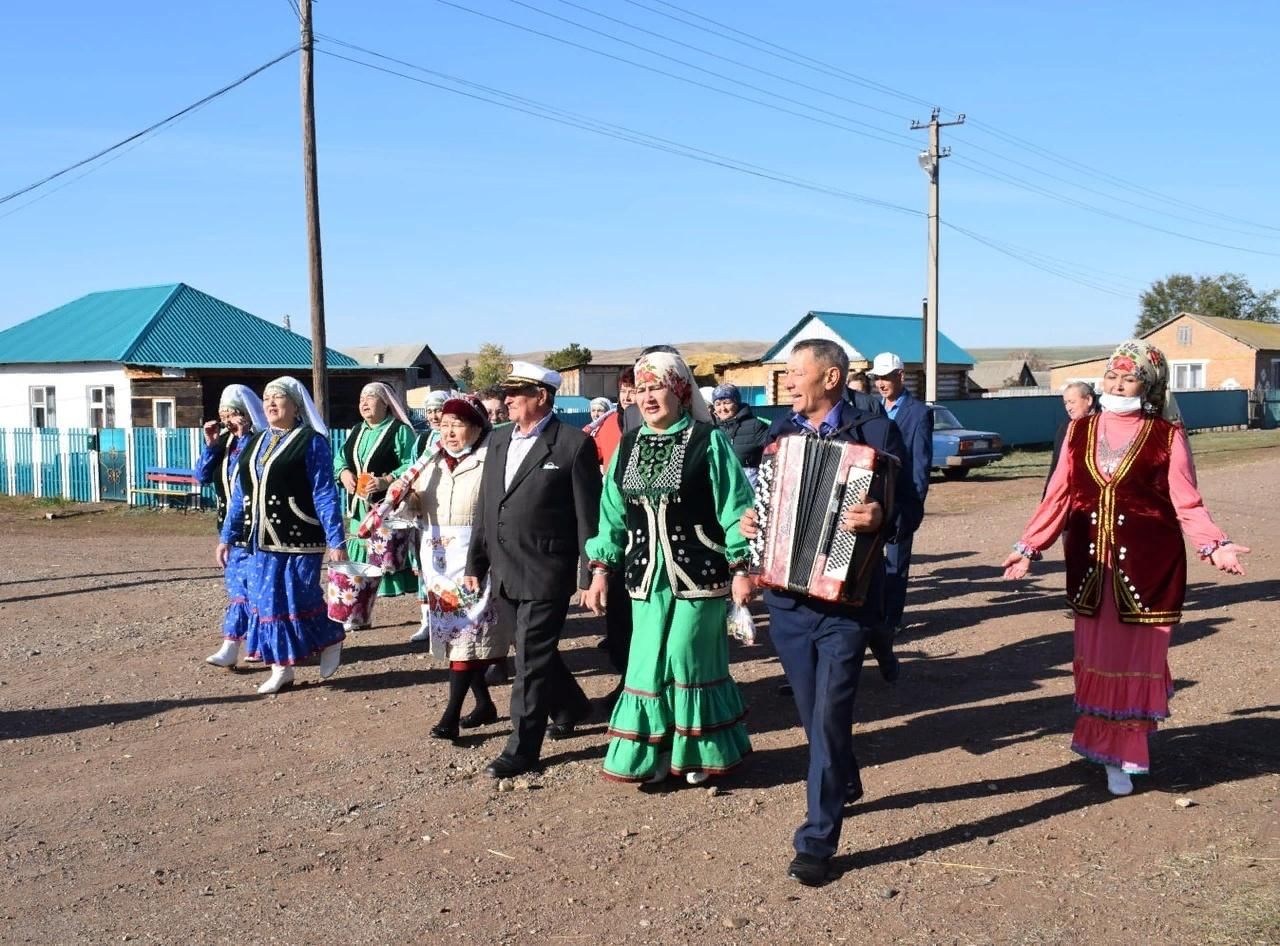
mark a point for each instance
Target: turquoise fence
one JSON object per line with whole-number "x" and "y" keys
{"x": 1027, "y": 421}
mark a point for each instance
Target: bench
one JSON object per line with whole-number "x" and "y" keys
{"x": 162, "y": 479}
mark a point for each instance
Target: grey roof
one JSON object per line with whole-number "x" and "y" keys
{"x": 398, "y": 355}
{"x": 991, "y": 375}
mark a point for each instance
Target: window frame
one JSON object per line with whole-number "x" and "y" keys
{"x": 1193, "y": 365}
{"x": 107, "y": 405}
{"x": 173, "y": 413}
{"x": 48, "y": 405}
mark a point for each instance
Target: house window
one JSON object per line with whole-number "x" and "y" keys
{"x": 1184, "y": 335}
{"x": 1188, "y": 375}
{"x": 102, "y": 406}
{"x": 163, "y": 410}
{"x": 43, "y": 407}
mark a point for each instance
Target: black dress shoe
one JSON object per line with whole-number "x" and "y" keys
{"x": 559, "y": 731}
{"x": 441, "y": 731}
{"x": 509, "y": 766}
{"x": 809, "y": 870}
{"x": 853, "y": 791}
{"x": 479, "y": 717}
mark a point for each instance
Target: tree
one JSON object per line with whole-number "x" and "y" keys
{"x": 568, "y": 356}
{"x": 466, "y": 377}
{"x": 492, "y": 366}
{"x": 1226, "y": 296}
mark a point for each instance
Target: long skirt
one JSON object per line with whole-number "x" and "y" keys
{"x": 288, "y": 618}
{"x": 235, "y": 622}
{"x": 678, "y": 697}
{"x": 1122, "y": 686}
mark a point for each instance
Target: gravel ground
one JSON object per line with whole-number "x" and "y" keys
{"x": 151, "y": 798}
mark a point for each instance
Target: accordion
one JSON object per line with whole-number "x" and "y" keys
{"x": 805, "y": 486}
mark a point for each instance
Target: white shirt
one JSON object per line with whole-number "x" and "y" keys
{"x": 520, "y": 446}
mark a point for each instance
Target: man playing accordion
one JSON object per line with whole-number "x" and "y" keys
{"x": 822, "y": 643}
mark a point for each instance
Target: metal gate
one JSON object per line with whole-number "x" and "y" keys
{"x": 113, "y": 465}
{"x": 1271, "y": 410}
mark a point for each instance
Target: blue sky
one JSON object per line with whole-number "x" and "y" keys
{"x": 457, "y": 222}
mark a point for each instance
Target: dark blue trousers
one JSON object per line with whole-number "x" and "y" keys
{"x": 821, "y": 648}
{"x": 897, "y": 568}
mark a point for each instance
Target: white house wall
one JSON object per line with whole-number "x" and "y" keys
{"x": 816, "y": 328}
{"x": 70, "y": 383}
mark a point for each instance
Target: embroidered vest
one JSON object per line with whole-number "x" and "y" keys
{"x": 224, "y": 447}
{"x": 666, "y": 482}
{"x": 279, "y": 510}
{"x": 1126, "y": 525}
{"x": 382, "y": 460}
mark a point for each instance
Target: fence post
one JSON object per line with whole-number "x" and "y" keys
{"x": 11, "y": 462}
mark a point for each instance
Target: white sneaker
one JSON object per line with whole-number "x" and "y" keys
{"x": 1118, "y": 781}
{"x": 281, "y": 677}
{"x": 421, "y": 635}
{"x": 696, "y": 778}
{"x": 226, "y": 654}
{"x": 330, "y": 657}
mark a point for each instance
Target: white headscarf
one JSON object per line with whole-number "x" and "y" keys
{"x": 388, "y": 397}
{"x": 292, "y": 389}
{"x": 240, "y": 398}
{"x": 435, "y": 400}
{"x": 671, "y": 370}
{"x": 601, "y": 402}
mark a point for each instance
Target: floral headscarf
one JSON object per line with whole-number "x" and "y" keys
{"x": 670, "y": 370}
{"x": 1146, "y": 362}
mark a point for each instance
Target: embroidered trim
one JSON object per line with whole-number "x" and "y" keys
{"x": 1027, "y": 551}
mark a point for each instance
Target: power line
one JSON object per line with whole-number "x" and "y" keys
{"x": 293, "y": 5}
{"x": 1075, "y": 273}
{"x": 607, "y": 129}
{"x": 903, "y": 141}
{"x": 760, "y": 44}
{"x": 150, "y": 128}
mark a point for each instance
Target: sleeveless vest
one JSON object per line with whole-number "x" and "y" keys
{"x": 279, "y": 510}
{"x": 1127, "y": 525}
{"x": 670, "y": 503}
{"x": 382, "y": 459}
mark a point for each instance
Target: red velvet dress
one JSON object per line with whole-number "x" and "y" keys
{"x": 1126, "y": 573}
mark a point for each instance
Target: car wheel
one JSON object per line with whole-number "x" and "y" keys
{"x": 955, "y": 472}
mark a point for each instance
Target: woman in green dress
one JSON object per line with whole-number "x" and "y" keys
{"x": 669, "y": 513}
{"x": 382, "y": 447}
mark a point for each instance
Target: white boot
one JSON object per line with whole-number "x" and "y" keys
{"x": 423, "y": 633}
{"x": 663, "y": 770}
{"x": 696, "y": 778}
{"x": 1118, "y": 781}
{"x": 281, "y": 676}
{"x": 330, "y": 657}
{"x": 226, "y": 655}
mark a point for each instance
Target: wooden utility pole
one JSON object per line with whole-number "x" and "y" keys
{"x": 319, "y": 366}
{"x": 929, "y": 161}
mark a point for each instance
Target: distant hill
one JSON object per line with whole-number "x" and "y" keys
{"x": 725, "y": 351}
{"x": 1050, "y": 355}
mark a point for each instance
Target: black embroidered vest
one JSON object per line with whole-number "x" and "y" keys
{"x": 665, "y": 480}
{"x": 222, "y": 479}
{"x": 279, "y": 511}
{"x": 382, "y": 459}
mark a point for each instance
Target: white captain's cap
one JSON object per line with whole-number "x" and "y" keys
{"x": 524, "y": 374}
{"x": 886, "y": 363}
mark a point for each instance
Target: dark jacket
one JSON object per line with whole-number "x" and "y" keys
{"x": 747, "y": 434}
{"x": 874, "y": 430}
{"x": 914, "y": 421}
{"x": 864, "y": 402}
{"x": 532, "y": 535}
{"x": 1058, "y": 437}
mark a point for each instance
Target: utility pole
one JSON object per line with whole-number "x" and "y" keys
{"x": 319, "y": 366}
{"x": 929, "y": 162}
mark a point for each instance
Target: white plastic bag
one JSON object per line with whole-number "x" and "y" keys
{"x": 741, "y": 625}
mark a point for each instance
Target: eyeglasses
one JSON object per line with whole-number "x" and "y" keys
{"x": 450, "y": 428}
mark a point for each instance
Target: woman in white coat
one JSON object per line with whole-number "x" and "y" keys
{"x": 461, "y": 626}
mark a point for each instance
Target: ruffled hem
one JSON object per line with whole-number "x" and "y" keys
{"x": 1134, "y": 695}
{"x": 716, "y": 753}
{"x": 1101, "y": 759}
{"x": 688, "y": 710}
{"x": 1114, "y": 742}
{"x": 290, "y": 641}
{"x": 235, "y": 622}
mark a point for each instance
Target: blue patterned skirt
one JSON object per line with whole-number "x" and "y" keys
{"x": 288, "y": 619}
{"x": 235, "y": 623}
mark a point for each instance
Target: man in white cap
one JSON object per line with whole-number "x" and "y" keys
{"x": 539, "y": 503}
{"x": 914, "y": 420}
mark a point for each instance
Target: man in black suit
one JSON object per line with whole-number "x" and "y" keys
{"x": 539, "y": 503}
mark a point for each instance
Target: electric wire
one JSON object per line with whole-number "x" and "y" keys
{"x": 902, "y": 141}
{"x": 150, "y": 128}
{"x": 1077, "y": 273}
{"x": 760, "y": 44}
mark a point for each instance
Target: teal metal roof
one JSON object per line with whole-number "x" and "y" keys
{"x": 171, "y": 326}
{"x": 872, "y": 334}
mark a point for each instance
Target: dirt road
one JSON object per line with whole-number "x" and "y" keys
{"x": 150, "y": 798}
